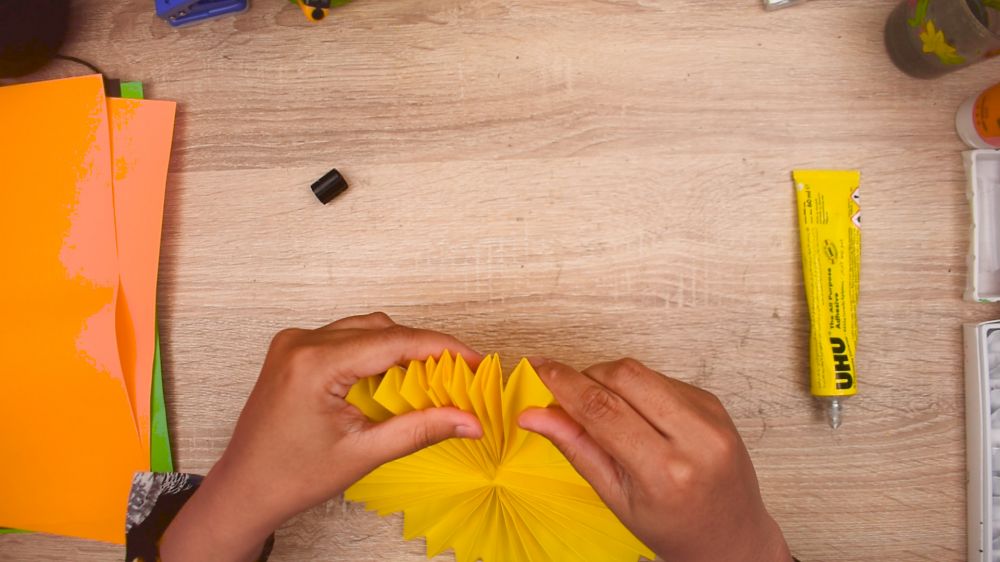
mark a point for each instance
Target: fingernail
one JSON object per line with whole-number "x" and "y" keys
{"x": 466, "y": 431}
{"x": 537, "y": 362}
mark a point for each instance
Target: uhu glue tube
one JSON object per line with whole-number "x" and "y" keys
{"x": 830, "y": 233}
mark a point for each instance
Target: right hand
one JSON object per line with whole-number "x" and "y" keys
{"x": 664, "y": 456}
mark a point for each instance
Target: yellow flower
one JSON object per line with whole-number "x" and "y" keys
{"x": 934, "y": 42}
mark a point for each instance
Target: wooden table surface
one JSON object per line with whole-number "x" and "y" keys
{"x": 583, "y": 180}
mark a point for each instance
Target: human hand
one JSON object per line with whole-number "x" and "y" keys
{"x": 664, "y": 456}
{"x": 298, "y": 442}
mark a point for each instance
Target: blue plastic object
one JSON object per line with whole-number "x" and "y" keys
{"x": 185, "y": 12}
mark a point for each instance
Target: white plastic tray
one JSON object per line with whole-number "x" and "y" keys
{"x": 982, "y": 168}
{"x": 983, "y": 519}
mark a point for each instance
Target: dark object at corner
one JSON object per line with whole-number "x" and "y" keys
{"x": 31, "y": 34}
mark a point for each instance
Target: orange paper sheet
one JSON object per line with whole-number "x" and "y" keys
{"x": 141, "y": 133}
{"x": 510, "y": 496}
{"x": 71, "y": 443}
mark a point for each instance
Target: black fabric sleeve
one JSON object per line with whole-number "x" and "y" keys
{"x": 155, "y": 499}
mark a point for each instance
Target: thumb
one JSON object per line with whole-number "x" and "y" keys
{"x": 401, "y": 435}
{"x": 579, "y": 448}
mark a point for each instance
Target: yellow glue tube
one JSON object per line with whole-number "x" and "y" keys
{"x": 830, "y": 233}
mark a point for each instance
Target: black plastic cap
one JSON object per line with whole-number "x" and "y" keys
{"x": 329, "y": 186}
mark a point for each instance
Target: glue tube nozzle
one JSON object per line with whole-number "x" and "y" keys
{"x": 834, "y": 407}
{"x": 775, "y": 4}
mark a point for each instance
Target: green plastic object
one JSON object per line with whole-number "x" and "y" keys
{"x": 132, "y": 90}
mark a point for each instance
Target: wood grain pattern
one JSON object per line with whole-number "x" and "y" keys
{"x": 583, "y": 180}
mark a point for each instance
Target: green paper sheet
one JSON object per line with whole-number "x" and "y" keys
{"x": 160, "y": 459}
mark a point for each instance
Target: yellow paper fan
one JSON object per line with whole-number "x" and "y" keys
{"x": 510, "y": 496}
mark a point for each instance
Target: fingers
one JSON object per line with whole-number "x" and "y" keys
{"x": 372, "y": 321}
{"x": 375, "y": 351}
{"x": 664, "y": 402}
{"x": 649, "y": 392}
{"x": 401, "y": 435}
{"x": 579, "y": 448}
{"x": 339, "y": 357}
{"x": 612, "y": 423}
{"x": 632, "y": 379}
{"x": 381, "y": 321}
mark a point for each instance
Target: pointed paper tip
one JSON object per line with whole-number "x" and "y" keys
{"x": 460, "y": 361}
{"x": 524, "y": 363}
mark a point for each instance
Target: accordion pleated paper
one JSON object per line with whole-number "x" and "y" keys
{"x": 510, "y": 496}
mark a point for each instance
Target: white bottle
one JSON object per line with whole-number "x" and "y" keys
{"x": 978, "y": 119}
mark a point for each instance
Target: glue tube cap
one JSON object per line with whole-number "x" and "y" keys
{"x": 329, "y": 186}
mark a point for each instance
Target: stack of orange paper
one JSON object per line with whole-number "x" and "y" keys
{"x": 510, "y": 496}
{"x": 82, "y": 179}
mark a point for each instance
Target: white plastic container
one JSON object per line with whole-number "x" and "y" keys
{"x": 982, "y": 168}
{"x": 977, "y": 120}
{"x": 982, "y": 472}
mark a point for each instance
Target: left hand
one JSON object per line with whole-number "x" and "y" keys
{"x": 298, "y": 442}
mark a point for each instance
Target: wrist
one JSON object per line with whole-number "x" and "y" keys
{"x": 770, "y": 545}
{"x": 760, "y": 542}
{"x": 217, "y": 523}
